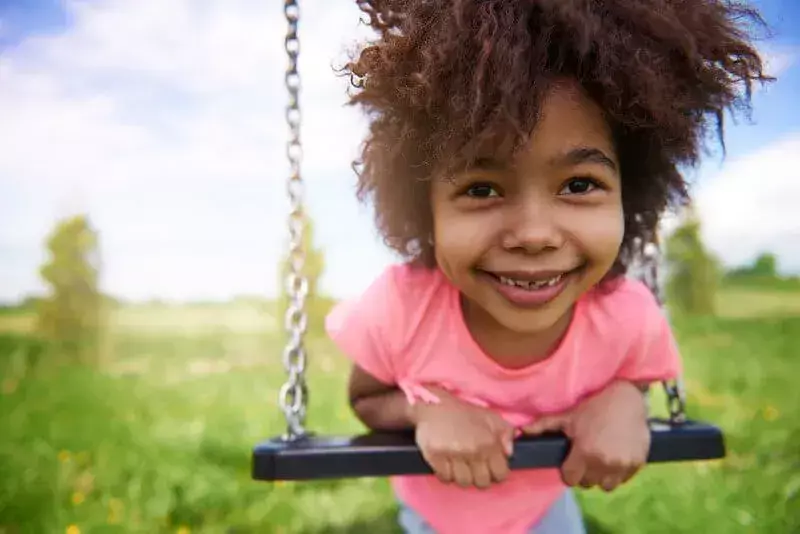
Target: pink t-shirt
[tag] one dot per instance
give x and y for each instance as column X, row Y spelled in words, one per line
column 408, row 327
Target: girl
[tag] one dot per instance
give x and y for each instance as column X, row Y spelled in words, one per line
column 519, row 155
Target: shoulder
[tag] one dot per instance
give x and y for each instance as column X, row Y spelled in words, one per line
column 393, row 304
column 623, row 304
column 628, row 317
column 626, row 289
column 404, row 285
column 408, row 277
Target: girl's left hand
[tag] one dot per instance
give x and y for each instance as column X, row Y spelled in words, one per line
column 609, row 434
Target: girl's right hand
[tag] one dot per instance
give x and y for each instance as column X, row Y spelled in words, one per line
column 463, row 443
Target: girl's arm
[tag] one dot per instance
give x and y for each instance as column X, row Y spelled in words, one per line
column 379, row 406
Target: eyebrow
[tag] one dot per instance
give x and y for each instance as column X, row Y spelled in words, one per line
column 584, row 154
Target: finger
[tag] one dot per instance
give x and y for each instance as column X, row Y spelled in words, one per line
column 507, row 441
column 442, row 469
column 505, row 433
column 595, row 472
column 481, row 475
column 548, row 423
column 498, row 467
column 573, row 469
column 610, row 482
column 462, row 474
column 630, row 473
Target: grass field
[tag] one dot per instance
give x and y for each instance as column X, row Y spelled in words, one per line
column 160, row 441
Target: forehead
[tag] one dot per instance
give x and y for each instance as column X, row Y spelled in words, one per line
column 568, row 119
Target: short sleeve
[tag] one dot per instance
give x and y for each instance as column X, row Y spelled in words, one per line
column 365, row 328
column 653, row 354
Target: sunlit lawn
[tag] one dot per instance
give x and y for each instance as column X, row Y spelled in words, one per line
column 160, row 442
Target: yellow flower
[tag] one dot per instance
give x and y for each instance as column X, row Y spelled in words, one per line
column 115, row 508
column 78, row 498
column 183, row 530
column 73, row 529
column 9, row 386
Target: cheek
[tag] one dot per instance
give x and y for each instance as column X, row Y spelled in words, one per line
column 455, row 238
column 601, row 236
column 459, row 241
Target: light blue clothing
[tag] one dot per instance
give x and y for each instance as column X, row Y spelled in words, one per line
column 563, row 517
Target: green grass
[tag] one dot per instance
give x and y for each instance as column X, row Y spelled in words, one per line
column 160, row 440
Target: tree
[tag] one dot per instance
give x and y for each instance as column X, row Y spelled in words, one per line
column 313, row 268
column 766, row 265
column 692, row 272
column 71, row 313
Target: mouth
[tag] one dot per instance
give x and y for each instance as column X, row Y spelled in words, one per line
column 530, row 284
column 530, row 288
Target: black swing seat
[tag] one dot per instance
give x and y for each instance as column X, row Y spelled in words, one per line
column 382, row 454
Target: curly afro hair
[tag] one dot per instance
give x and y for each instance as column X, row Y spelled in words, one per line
column 443, row 77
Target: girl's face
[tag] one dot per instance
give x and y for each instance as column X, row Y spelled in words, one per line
column 523, row 239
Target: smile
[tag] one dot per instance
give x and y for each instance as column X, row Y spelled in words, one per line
column 531, row 284
column 530, row 289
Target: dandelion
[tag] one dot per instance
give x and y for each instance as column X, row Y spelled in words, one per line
column 73, row 529
column 183, row 530
column 343, row 414
column 326, row 362
column 9, row 386
column 112, row 518
column 115, row 508
column 85, row 482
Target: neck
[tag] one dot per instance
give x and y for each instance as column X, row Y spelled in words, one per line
column 509, row 348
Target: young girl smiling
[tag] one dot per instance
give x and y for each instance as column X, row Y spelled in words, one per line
column 520, row 153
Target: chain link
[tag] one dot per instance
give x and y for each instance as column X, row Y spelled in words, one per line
column 676, row 397
column 293, row 396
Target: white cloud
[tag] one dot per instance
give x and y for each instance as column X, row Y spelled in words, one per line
column 167, row 121
column 779, row 59
column 165, row 85
column 749, row 205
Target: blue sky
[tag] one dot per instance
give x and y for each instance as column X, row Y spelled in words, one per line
column 165, row 121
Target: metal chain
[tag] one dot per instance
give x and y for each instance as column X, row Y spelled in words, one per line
column 293, row 397
column 676, row 396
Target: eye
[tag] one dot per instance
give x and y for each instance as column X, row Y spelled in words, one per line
column 481, row 190
column 579, row 186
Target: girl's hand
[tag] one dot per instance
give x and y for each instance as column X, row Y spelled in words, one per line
column 462, row 443
column 609, row 434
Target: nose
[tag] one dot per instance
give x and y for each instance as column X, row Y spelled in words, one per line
column 531, row 226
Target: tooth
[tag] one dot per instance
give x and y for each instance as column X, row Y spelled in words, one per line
column 535, row 284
